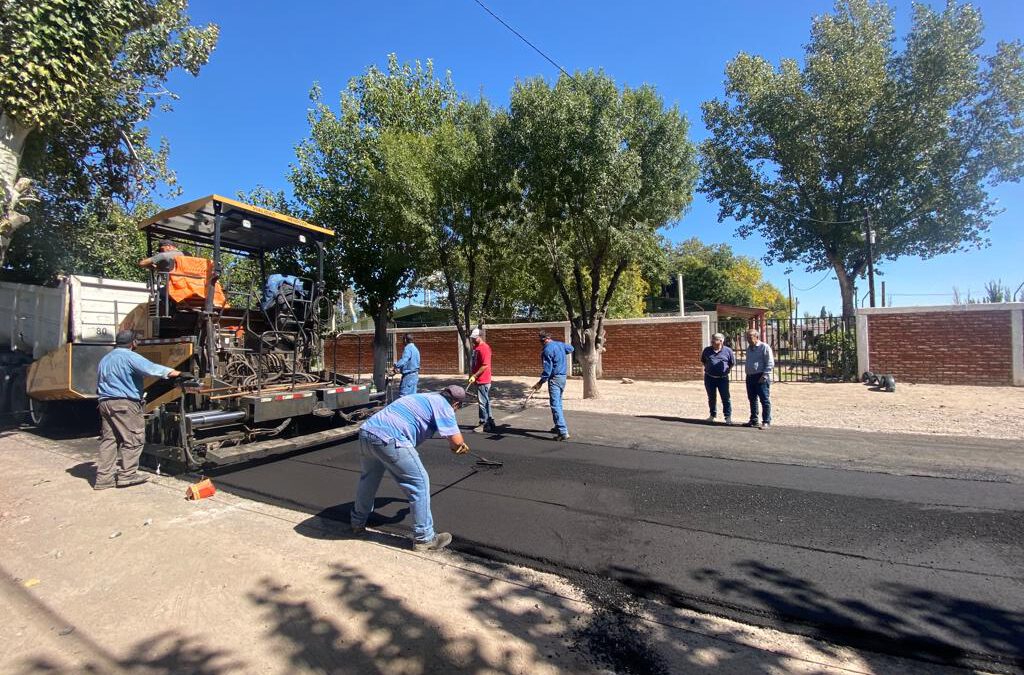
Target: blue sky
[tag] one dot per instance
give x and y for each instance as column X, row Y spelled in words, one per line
column 237, row 124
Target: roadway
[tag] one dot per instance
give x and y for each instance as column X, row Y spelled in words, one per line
column 923, row 566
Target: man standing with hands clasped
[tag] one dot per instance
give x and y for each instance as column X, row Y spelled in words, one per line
column 554, row 371
column 481, row 376
column 409, row 367
column 759, row 378
column 718, row 360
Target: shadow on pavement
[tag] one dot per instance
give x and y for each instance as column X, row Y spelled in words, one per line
column 85, row 471
column 896, row 630
column 684, row 420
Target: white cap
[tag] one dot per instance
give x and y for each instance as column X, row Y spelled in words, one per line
column 475, row 333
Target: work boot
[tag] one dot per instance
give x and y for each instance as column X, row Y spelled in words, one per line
column 358, row 530
column 751, row 423
column 137, row 479
column 490, row 426
column 440, row 540
column 765, row 425
column 479, row 429
column 728, row 422
column 562, row 437
column 553, row 430
column 105, row 485
column 710, row 418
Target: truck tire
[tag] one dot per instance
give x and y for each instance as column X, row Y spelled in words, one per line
column 42, row 414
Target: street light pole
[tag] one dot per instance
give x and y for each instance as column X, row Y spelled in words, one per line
column 870, row 236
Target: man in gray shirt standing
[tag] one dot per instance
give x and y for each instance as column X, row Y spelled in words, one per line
column 759, row 379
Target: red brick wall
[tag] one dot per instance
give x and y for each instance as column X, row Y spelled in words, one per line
column 439, row 351
column 516, row 351
column 350, row 353
column 653, row 351
column 942, row 347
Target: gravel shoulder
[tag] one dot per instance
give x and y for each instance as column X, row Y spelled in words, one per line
column 980, row 412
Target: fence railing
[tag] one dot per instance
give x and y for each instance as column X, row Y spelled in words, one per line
column 807, row 349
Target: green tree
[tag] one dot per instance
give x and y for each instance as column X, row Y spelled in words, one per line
column 713, row 274
column 911, row 140
column 472, row 186
column 78, row 80
column 364, row 172
column 601, row 170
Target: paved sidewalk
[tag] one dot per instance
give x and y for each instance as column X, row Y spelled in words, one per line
column 140, row 580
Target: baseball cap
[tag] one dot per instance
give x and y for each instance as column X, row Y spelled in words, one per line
column 543, row 335
column 457, row 393
column 165, row 242
column 475, row 333
column 124, row 338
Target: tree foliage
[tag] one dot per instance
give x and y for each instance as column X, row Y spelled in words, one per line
column 78, row 80
column 713, row 274
column 364, row 171
column 911, row 140
column 601, row 170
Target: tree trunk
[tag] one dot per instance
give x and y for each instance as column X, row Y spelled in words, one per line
column 381, row 348
column 846, row 288
column 589, row 364
column 12, row 142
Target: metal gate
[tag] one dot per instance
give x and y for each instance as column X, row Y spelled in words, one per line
column 806, row 350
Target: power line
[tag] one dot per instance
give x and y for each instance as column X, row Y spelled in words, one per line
column 523, row 38
column 827, row 275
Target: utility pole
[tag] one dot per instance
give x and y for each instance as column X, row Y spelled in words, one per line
column 789, row 282
column 883, row 294
column 870, row 236
column 682, row 305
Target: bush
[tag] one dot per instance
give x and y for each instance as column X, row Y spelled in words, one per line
column 837, row 353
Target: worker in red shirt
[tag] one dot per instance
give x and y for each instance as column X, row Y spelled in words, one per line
column 481, row 376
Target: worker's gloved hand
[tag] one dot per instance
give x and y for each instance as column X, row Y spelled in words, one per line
column 185, row 375
column 461, row 449
column 765, row 379
column 471, row 381
column 536, row 387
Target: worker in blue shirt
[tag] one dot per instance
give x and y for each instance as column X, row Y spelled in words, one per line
column 123, row 429
column 387, row 443
column 409, row 367
column 554, row 371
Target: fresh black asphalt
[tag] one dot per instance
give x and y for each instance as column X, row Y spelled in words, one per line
column 922, row 567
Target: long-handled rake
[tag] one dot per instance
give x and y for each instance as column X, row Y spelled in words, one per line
column 483, row 461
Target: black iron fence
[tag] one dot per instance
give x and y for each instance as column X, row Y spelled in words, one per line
column 808, row 349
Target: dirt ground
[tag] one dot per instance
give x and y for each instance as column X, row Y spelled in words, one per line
column 986, row 412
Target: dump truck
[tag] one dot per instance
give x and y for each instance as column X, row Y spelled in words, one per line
column 251, row 337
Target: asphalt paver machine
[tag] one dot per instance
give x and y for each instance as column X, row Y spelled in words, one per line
column 255, row 347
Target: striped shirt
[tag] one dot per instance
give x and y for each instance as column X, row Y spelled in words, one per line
column 413, row 419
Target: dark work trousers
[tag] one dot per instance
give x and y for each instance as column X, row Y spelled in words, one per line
column 122, row 434
column 718, row 386
column 759, row 391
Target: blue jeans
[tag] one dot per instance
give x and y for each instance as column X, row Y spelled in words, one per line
column 718, row 386
column 759, row 391
column 408, row 384
column 556, row 386
column 483, row 395
column 405, row 467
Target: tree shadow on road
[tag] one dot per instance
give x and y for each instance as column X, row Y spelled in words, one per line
column 898, row 629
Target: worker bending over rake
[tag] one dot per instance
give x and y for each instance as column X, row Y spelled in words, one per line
column 388, row 442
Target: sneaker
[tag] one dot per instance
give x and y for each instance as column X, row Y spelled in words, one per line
column 728, row 421
column 358, row 530
column 562, row 437
column 440, row 540
column 138, row 479
column 479, row 429
column 765, row 425
column 710, row 418
column 104, row 486
column 751, row 423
